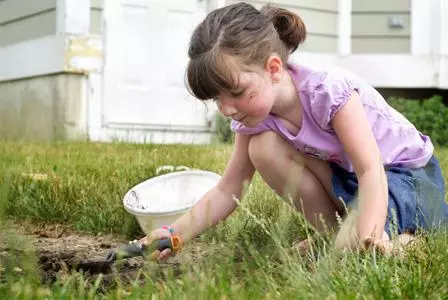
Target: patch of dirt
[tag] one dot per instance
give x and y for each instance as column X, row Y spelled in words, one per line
column 60, row 249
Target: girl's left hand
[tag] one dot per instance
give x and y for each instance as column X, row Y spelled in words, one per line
column 387, row 246
column 384, row 246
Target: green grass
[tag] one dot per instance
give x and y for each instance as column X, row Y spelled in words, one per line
column 245, row 257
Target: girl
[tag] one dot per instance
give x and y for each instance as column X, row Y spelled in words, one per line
column 317, row 138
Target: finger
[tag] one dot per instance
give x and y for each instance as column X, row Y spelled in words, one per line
column 385, row 247
column 155, row 235
column 147, row 240
column 389, row 248
column 368, row 243
column 164, row 254
column 381, row 246
column 154, row 255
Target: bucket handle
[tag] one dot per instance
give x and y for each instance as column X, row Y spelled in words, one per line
column 171, row 169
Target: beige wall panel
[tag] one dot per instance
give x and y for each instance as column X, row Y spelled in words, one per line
column 28, row 28
column 318, row 21
column 381, row 45
column 381, row 5
column 14, row 9
column 42, row 108
column 377, row 25
column 316, row 43
column 330, row 5
column 96, row 21
column 321, row 22
column 97, row 4
column 96, row 15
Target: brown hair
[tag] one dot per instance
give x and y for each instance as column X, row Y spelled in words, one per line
column 234, row 38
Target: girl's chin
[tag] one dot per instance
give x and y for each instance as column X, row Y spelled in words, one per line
column 251, row 122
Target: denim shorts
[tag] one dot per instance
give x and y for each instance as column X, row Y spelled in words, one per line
column 416, row 196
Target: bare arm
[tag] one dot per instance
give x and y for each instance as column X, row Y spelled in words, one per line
column 355, row 133
column 218, row 203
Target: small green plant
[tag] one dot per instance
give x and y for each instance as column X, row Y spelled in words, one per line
column 223, row 131
column 429, row 116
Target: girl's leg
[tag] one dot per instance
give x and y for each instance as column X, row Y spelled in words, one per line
column 304, row 180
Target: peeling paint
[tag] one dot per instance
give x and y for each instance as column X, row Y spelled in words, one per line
column 83, row 54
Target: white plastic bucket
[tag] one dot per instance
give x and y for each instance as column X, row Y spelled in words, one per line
column 162, row 199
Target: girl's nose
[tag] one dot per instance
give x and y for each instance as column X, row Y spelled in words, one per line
column 226, row 108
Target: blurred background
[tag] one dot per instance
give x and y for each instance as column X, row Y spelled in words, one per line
column 108, row 70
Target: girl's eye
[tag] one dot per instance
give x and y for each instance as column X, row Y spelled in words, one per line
column 237, row 93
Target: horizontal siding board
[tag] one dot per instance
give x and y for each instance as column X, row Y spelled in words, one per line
column 318, row 5
column 377, row 25
column 11, row 10
column 318, row 43
column 381, row 5
column 28, row 28
column 326, row 5
column 319, row 22
column 381, row 45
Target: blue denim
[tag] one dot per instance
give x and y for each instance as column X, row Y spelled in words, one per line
column 416, row 196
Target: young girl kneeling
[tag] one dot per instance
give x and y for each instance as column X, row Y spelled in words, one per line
column 318, row 138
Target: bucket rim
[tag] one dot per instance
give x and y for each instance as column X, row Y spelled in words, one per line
column 155, row 179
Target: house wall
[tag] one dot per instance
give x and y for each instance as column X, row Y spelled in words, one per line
column 48, row 101
column 96, row 15
column 371, row 32
column 43, row 108
column 319, row 16
column 22, row 20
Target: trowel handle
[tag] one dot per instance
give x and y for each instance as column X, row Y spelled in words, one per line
column 138, row 249
column 172, row 243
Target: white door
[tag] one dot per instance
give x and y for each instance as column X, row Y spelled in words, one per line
column 146, row 44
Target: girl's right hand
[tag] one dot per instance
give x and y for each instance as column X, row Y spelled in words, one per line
column 158, row 234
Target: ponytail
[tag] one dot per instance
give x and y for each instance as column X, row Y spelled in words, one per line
column 289, row 26
column 236, row 36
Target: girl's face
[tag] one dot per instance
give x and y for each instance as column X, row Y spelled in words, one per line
column 251, row 102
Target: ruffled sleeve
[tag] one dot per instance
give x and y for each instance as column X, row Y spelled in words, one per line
column 330, row 94
column 236, row 126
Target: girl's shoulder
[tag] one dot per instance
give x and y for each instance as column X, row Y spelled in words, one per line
column 324, row 91
column 311, row 79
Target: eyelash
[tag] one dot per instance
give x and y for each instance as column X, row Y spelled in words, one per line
column 238, row 94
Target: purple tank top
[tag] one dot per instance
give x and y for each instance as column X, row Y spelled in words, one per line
column 322, row 94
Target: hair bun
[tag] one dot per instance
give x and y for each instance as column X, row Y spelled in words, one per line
column 290, row 27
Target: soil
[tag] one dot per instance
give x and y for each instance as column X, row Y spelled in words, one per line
column 59, row 250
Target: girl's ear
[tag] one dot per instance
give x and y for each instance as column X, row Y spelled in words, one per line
column 274, row 67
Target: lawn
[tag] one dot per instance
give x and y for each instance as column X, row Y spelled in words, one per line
column 80, row 189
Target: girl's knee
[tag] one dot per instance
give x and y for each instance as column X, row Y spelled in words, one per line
column 268, row 146
column 261, row 147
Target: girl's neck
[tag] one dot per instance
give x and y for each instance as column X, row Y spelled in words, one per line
column 287, row 101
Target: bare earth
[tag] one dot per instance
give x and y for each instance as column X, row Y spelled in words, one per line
column 59, row 250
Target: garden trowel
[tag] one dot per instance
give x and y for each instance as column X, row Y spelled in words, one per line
column 133, row 249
